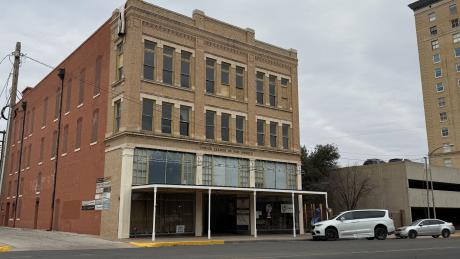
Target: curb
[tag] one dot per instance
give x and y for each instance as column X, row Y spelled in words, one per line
column 5, row 249
column 181, row 243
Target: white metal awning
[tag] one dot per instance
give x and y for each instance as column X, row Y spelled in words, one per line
column 155, row 188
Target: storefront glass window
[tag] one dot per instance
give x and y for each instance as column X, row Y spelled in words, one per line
column 275, row 175
column 163, row 167
column 225, row 171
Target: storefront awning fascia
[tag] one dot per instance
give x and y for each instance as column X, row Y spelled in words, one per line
column 222, row 188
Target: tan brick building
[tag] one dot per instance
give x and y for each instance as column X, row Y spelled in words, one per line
column 438, row 38
column 201, row 129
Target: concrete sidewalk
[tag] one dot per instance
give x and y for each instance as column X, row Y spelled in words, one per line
column 18, row 239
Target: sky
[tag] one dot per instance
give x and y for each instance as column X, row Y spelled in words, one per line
column 359, row 77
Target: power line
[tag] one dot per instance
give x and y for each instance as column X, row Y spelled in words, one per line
column 6, row 56
column 7, row 82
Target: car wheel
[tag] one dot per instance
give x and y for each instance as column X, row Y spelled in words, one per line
column 380, row 233
column 435, row 236
column 445, row 233
column 370, row 238
column 412, row 234
column 331, row 234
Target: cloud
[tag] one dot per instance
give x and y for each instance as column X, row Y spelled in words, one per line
column 359, row 80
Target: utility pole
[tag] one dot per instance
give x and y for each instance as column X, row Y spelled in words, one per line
column 14, row 89
column 427, row 189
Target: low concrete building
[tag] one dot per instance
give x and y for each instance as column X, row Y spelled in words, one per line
column 401, row 188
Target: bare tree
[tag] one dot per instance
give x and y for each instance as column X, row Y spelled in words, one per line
column 349, row 187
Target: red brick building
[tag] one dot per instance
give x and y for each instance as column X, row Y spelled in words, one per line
column 81, row 154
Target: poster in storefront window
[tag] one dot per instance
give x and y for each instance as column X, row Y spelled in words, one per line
column 286, row 208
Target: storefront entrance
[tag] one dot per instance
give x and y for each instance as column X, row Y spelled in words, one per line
column 229, row 214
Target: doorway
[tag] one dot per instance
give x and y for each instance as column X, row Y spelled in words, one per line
column 229, row 214
column 7, row 215
column 37, row 205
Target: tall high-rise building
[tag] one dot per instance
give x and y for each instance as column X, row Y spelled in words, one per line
column 438, row 38
column 190, row 119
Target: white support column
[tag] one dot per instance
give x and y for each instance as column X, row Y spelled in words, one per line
column 299, row 176
column 209, row 213
column 327, row 208
column 126, row 179
column 293, row 216
column 199, row 169
column 252, row 173
column 255, row 214
column 154, row 212
column 300, row 215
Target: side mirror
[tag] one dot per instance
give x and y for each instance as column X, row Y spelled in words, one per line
column 421, row 224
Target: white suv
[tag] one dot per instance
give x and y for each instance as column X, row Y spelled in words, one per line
column 368, row 224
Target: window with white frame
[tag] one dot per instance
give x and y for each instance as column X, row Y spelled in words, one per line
column 447, row 147
column 442, row 102
column 439, row 87
column 457, row 52
column 443, row 116
column 432, row 17
column 457, row 67
column 458, row 82
column 433, row 30
column 453, row 8
column 448, row 162
column 435, row 44
column 454, row 23
column 436, row 58
column 437, row 72
column 456, row 37
column 445, row 131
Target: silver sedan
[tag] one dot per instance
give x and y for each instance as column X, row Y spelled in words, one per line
column 426, row 227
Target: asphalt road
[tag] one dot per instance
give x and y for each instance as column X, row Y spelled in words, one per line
column 393, row 248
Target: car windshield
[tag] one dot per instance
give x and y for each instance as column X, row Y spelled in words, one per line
column 415, row 223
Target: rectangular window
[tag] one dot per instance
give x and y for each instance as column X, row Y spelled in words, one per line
column 435, row 44
column 45, row 111
column 260, row 132
column 434, row 31
column 149, row 60
column 54, row 144
column 432, row 17
column 32, row 121
column 78, row 135
column 119, row 62
column 147, row 114
column 260, row 87
column 284, row 82
column 239, row 77
column 273, row 133
column 447, row 147
column 439, row 87
column 56, row 104
column 454, row 23
column 184, row 126
column 437, row 72
column 168, row 65
column 442, row 102
column 285, row 136
column 117, row 116
column 240, row 129
column 456, row 37
column 42, row 149
column 68, row 96
column 445, row 132
column 443, row 116
column 166, row 117
column 65, row 142
column 225, row 171
column 436, row 58
column 94, row 126
column 225, row 126
column 457, row 67
column 210, row 118
column 185, row 69
column 97, row 77
column 453, row 8
column 225, row 73
column 210, row 75
column 448, row 162
column 38, row 185
column 458, row 82
column 272, row 90
column 81, row 89
column 457, row 52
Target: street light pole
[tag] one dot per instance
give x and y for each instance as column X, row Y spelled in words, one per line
column 431, row 176
column 427, row 190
